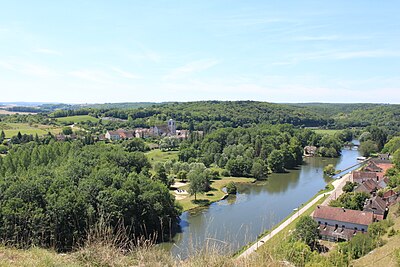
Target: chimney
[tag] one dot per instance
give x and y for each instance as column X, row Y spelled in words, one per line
column 343, row 209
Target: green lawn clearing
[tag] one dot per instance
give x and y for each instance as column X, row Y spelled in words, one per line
column 77, row 119
column 326, row 131
column 12, row 129
column 157, row 155
column 215, row 194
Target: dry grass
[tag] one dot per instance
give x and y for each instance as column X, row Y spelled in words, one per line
column 105, row 254
column 385, row 255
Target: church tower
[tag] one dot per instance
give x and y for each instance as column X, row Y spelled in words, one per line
column 172, row 127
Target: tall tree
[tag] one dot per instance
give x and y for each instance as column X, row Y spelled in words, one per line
column 307, row 231
column 199, row 183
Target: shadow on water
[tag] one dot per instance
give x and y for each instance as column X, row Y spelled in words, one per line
column 238, row 220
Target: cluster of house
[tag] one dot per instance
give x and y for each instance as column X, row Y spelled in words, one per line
column 340, row 224
column 168, row 129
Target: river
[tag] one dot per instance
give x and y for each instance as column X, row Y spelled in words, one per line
column 230, row 224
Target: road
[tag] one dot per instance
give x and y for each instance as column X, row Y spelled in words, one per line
column 335, row 193
column 338, row 185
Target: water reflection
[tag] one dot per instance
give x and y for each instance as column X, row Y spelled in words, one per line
column 235, row 221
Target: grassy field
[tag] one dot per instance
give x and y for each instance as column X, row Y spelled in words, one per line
column 77, row 119
column 215, row 194
column 157, row 155
column 6, row 112
column 12, row 129
column 323, row 131
column 385, row 255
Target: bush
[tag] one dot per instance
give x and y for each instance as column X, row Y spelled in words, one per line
column 358, row 246
column 329, row 169
column 3, row 149
column 307, row 231
column 349, row 187
column 225, row 173
column 231, row 188
column 392, row 232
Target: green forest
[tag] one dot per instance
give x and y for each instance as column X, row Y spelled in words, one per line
column 54, row 193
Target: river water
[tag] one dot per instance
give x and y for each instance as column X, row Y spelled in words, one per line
column 230, row 224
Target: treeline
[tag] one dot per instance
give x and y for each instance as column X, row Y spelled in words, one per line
column 70, row 112
column 24, row 109
column 257, row 150
column 210, row 115
column 53, row 195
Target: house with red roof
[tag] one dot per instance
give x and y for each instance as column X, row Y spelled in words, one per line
column 340, row 224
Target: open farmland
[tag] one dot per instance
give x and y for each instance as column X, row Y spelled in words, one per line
column 77, row 119
column 12, row 129
column 325, row 131
column 6, row 112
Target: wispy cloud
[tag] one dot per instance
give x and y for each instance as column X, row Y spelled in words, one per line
column 191, row 67
column 47, row 51
column 311, row 38
column 27, row 68
column 317, row 38
column 336, row 55
column 144, row 53
column 125, row 74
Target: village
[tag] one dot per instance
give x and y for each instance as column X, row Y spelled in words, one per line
column 169, row 129
column 340, row 223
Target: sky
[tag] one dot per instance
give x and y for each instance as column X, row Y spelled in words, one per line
column 134, row 51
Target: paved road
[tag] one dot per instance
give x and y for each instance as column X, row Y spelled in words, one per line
column 335, row 193
column 338, row 185
column 261, row 241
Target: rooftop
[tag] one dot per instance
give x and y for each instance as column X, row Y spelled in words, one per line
column 344, row 215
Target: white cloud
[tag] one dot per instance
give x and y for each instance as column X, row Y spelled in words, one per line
column 191, row 67
column 27, row 68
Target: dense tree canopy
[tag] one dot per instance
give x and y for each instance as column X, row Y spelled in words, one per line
column 52, row 195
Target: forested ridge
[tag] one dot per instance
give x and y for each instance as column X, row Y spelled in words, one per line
column 53, row 195
column 208, row 115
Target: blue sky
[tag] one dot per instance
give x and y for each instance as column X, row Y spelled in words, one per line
column 132, row 51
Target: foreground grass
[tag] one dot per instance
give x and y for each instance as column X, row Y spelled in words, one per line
column 104, row 254
column 77, row 119
column 215, row 194
column 33, row 257
column 12, row 129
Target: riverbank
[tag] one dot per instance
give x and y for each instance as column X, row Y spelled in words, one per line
column 285, row 226
column 282, row 230
column 202, row 200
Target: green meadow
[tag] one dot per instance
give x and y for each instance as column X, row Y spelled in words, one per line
column 12, row 129
column 77, row 119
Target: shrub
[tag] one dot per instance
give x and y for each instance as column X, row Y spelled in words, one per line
column 225, row 173
column 231, row 188
column 392, row 232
